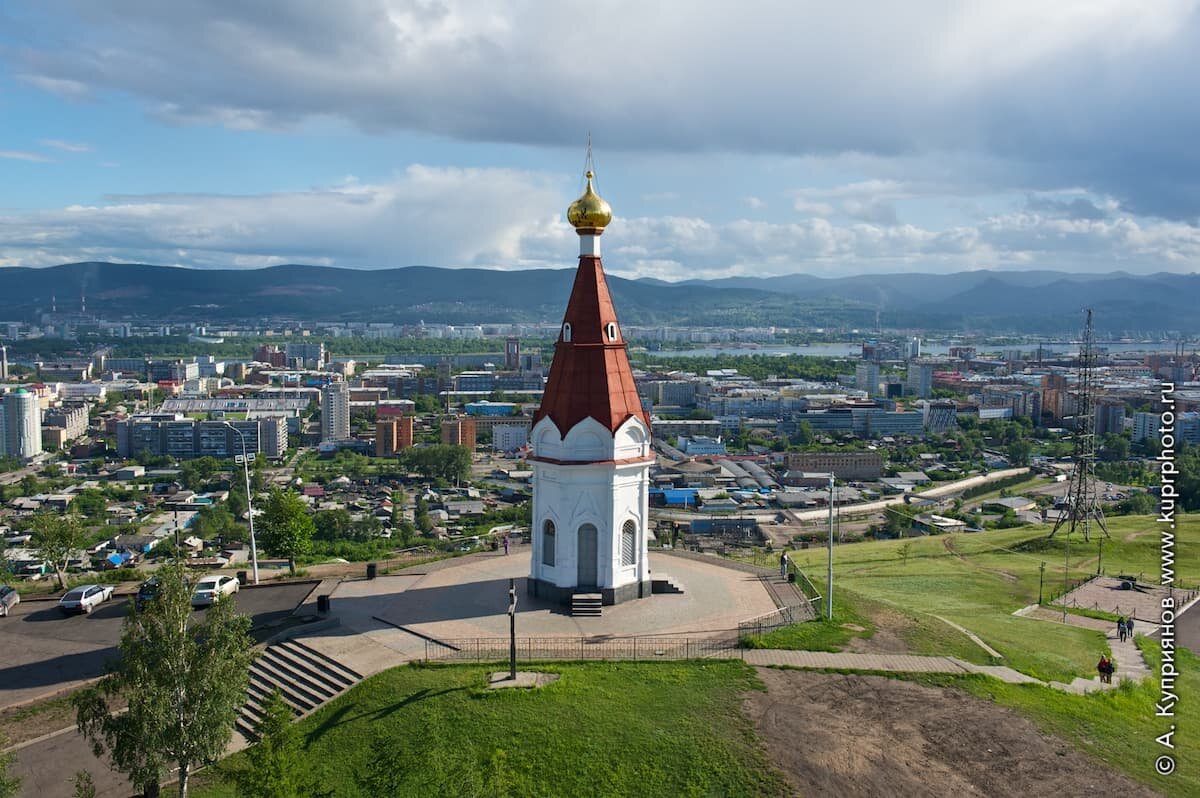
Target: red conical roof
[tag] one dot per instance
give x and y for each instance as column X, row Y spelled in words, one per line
column 590, row 375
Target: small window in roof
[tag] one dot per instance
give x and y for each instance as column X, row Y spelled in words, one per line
column 566, row 332
column 612, row 331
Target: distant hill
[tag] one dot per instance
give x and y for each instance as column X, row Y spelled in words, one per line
column 980, row 301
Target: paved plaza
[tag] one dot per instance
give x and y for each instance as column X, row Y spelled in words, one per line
column 1104, row 593
column 386, row 621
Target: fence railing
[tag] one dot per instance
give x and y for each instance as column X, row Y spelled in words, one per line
column 784, row 616
column 535, row 649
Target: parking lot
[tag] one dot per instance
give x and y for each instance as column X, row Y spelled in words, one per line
column 45, row 651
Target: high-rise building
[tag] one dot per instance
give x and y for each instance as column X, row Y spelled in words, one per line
column 459, row 432
column 512, row 353
column 335, row 412
column 3, row 363
column 305, row 355
column 393, row 435
column 20, row 425
column 1110, row 416
column 920, row 379
column 866, row 377
column 175, row 435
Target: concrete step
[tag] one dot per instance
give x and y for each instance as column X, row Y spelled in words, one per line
column 261, row 687
column 663, row 583
column 313, row 669
column 292, row 685
column 347, row 674
column 305, row 678
column 587, row 604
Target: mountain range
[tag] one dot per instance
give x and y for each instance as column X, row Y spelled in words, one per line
column 976, row 301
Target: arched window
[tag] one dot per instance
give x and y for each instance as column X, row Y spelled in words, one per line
column 566, row 333
column 629, row 542
column 548, row 542
column 612, row 331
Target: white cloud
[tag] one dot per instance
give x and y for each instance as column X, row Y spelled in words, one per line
column 22, row 155
column 66, row 146
column 1004, row 82
column 754, row 203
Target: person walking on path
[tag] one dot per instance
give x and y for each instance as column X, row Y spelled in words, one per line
column 1121, row 630
column 1105, row 668
column 1129, row 626
column 783, row 566
column 506, row 553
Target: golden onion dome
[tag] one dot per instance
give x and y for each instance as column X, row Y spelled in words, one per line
column 590, row 211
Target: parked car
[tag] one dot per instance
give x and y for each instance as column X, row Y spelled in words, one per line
column 146, row 593
column 9, row 598
column 211, row 588
column 85, row 598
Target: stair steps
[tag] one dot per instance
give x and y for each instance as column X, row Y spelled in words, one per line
column 664, row 584
column 587, row 605
column 304, row 677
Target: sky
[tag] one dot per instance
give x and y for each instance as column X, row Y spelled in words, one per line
column 732, row 139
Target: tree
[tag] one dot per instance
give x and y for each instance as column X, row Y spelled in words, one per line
column 184, row 684
column 274, row 763
column 84, row 786
column 285, row 527
column 9, row 785
column 56, row 539
column 1019, row 451
column 332, row 524
column 90, row 503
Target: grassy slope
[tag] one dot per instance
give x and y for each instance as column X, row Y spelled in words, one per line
column 979, row 580
column 659, row 729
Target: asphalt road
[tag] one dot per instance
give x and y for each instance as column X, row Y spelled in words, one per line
column 45, row 651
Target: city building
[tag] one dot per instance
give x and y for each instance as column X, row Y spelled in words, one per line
column 512, row 353
column 701, row 445
column 176, row 370
column 335, row 412
column 459, row 431
column 3, row 363
column 509, row 437
column 843, row 465
column 393, row 434
column 305, row 355
column 920, row 379
column 866, row 377
column 591, row 444
column 71, row 419
column 1187, row 427
column 941, row 416
column 20, row 425
column 175, row 435
column 1110, row 416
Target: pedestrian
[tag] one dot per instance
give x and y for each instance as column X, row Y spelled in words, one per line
column 783, row 566
column 506, row 545
column 1121, row 629
column 1104, row 668
column 1129, row 626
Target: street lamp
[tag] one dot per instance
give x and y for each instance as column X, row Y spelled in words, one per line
column 245, row 461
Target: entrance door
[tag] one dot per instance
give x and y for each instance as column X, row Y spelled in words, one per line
column 587, row 556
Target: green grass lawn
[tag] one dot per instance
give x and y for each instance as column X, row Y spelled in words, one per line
column 1116, row 726
column 605, row 729
column 979, row 580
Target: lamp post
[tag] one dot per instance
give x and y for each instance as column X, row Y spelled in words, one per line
column 249, row 500
column 829, row 580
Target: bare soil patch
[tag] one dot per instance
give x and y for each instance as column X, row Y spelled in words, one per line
column 851, row 735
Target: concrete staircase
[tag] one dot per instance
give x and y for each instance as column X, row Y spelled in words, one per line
column 305, row 678
column 662, row 583
column 586, row 605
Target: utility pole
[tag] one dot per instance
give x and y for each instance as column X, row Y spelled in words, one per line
column 1041, row 580
column 1066, row 565
column 1100, row 559
column 829, row 574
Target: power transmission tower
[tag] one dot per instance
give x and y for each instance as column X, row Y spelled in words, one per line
column 1082, row 507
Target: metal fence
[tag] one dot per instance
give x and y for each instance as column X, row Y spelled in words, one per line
column 784, row 616
column 536, row 649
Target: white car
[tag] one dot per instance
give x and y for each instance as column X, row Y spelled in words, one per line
column 211, row 588
column 9, row 598
column 84, row 598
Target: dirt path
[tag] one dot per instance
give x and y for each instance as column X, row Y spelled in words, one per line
column 872, row 736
